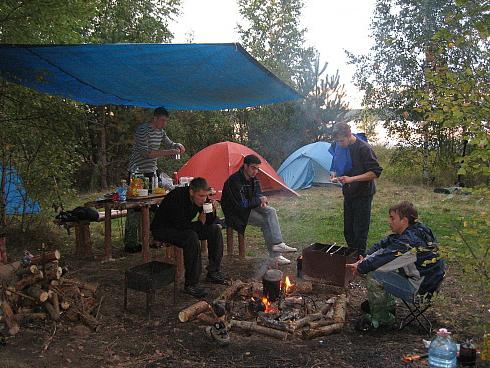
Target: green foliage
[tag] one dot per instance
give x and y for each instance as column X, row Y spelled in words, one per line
column 426, row 77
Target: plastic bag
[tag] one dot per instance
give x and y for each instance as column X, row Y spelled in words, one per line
column 381, row 303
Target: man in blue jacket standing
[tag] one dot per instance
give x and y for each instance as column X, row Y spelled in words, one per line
column 406, row 262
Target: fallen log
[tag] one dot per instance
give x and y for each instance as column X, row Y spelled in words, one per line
column 190, row 312
column 253, row 326
column 55, row 316
column 323, row 331
column 10, row 321
column 46, row 257
column 231, row 290
column 28, row 280
column 339, row 309
column 8, row 270
column 37, row 293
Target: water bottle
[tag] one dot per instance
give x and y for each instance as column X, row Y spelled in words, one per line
column 442, row 350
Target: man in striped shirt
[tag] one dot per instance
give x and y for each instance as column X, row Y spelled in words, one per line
column 148, row 139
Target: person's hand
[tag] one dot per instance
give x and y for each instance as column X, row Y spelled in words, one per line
column 352, row 267
column 172, row 152
column 263, row 201
column 215, row 204
column 181, row 147
column 202, row 217
column 345, row 179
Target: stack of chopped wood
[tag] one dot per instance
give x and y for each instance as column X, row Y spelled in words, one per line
column 35, row 290
column 325, row 318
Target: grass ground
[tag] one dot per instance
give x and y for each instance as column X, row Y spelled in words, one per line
column 129, row 340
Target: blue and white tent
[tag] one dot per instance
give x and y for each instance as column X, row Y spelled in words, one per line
column 307, row 166
column 15, row 195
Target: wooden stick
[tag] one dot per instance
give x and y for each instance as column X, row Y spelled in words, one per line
column 55, row 301
column 190, row 312
column 231, row 290
column 46, row 257
column 80, row 284
column 7, row 270
column 52, row 312
column 37, row 293
column 9, row 318
column 339, row 309
column 305, row 320
column 323, row 331
column 321, row 323
column 12, row 290
column 28, row 280
column 253, row 326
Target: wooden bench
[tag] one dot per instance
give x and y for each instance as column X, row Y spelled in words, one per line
column 83, row 240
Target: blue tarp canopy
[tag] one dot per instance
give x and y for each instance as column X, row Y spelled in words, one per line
column 177, row 76
column 15, row 196
column 306, row 166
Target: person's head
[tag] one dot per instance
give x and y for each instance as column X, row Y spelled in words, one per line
column 251, row 164
column 198, row 190
column 401, row 216
column 160, row 118
column 342, row 134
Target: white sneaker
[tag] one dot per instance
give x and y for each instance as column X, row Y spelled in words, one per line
column 283, row 248
column 281, row 261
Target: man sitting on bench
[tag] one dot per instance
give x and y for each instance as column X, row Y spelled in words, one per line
column 406, row 262
column 173, row 223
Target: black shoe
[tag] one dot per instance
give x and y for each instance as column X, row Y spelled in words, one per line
column 195, row 291
column 133, row 249
column 218, row 333
column 216, row 277
column 365, row 307
column 363, row 324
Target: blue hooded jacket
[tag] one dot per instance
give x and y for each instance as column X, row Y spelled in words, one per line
column 414, row 254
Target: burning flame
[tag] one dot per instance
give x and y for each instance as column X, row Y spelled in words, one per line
column 267, row 305
column 287, row 285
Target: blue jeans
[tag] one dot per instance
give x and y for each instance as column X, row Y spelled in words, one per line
column 266, row 219
column 396, row 284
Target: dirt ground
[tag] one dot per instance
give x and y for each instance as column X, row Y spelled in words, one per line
column 129, row 339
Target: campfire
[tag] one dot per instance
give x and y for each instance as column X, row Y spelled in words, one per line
column 279, row 306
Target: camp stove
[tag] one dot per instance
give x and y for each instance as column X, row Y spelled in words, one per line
column 325, row 263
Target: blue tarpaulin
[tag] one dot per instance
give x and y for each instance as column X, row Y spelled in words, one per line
column 307, row 165
column 15, row 196
column 177, row 76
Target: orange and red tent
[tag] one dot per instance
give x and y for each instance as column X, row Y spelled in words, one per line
column 218, row 161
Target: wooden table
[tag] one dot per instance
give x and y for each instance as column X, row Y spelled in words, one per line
column 143, row 203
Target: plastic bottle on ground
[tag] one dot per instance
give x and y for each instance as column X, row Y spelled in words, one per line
column 442, row 350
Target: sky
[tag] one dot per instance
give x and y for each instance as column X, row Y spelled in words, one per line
column 332, row 27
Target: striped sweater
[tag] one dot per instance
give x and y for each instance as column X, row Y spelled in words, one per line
column 147, row 139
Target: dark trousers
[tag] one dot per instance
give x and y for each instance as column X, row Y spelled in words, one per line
column 357, row 217
column 189, row 241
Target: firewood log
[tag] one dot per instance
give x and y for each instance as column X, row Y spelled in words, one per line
column 89, row 321
column 305, row 320
column 80, row 284
column 231, row 290
column 8, row 270
column 28, row 280
column 72, row 314
column 10, row 321
column 303, row 287
column 54, row 299
column 206, row 318
column 23, row 317
column 253, row 326
column 55, row 316
column 37, row 293
column 321, row 323
column 12, row 290
column 88, row 304
column 323, row 331
column 190, row 312
column 340, row 308
column 54, row 274
column 47, row 257
column 30, row 270
column 65, row 305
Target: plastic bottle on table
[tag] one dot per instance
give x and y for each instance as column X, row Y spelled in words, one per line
column 442, row 350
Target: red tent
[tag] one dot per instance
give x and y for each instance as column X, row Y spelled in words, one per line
column 218, row 161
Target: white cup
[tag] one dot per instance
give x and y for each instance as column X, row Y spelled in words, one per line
column 207, row 207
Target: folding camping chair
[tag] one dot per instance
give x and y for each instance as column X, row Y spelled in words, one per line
column 416, row 307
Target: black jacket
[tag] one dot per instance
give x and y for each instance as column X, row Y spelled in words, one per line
column 239, row 197
column 177, row 211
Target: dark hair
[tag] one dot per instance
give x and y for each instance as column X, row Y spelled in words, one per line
column 341, row 130
column 199, row 184
column 405, row 210
column 251, row 159
column 161, row 111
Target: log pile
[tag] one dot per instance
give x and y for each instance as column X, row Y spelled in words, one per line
column 290, row 317
column 34, row 289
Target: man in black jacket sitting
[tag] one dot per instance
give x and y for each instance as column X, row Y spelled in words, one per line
column 244, row 203
column 174, row 223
